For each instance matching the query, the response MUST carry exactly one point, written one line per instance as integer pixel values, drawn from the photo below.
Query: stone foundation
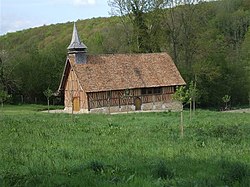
(69, 110)
(157, 106)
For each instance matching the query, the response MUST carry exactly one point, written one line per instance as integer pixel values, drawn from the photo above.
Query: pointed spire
(76, 44)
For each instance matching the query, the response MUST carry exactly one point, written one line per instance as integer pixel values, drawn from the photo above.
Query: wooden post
(127, 104)
(109, 104)
(88, 95)
(127, 92)
(119, 101)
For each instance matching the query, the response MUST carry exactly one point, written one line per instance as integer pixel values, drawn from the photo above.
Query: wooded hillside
(208, 41)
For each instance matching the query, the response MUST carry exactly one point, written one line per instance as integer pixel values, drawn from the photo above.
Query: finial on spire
(76, 44)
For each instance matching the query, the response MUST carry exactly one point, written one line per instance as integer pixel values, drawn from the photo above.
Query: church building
(112, 83)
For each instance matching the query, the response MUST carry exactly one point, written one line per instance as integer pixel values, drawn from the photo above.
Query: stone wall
(157, 106)
(69, 110)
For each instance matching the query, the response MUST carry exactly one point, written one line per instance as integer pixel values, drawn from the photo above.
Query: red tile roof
(126, 71)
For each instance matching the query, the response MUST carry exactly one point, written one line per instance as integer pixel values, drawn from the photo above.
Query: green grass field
(140, 149)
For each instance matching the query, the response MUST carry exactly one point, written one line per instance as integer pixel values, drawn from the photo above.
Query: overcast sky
(22, 14)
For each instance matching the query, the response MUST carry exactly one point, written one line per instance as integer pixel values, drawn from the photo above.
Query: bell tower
(77, 48)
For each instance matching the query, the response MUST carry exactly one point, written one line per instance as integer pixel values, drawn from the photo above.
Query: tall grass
(140, 149)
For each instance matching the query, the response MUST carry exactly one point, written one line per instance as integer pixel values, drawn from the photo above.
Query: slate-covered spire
(76, 45)
(77, 48)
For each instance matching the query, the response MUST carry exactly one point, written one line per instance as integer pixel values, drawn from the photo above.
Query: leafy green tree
(208, 79)
(182, 96)
(4, 96)
(193, 95)
(244, 71)
(226, 99)
(233, 20)
(48, 94)
(7, 75)
(137, 12)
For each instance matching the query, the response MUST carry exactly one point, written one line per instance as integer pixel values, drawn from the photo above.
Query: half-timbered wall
(74, 90)
(121, 98)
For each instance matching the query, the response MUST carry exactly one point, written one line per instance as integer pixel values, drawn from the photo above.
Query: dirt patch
(245, 110)
(55, 111)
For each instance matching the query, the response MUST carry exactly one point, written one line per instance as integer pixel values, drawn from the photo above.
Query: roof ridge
(128, 54)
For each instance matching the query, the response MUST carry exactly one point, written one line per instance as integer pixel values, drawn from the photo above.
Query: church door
(137, 103)
(76, 104)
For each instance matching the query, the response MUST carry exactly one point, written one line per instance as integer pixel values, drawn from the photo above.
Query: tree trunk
(127, 105)
(181, 127)
(173, 36)
(190, 110)
(22, 100)
(48, 105)
(1, 107)
(195, 80)
(194, 105)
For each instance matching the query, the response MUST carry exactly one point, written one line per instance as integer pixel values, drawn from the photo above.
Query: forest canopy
(209, 42)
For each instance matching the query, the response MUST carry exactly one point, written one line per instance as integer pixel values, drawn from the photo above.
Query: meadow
(139, 149)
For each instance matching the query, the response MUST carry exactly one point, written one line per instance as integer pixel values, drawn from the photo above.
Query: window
(150, 91)
(144, 91)
(157, 90)
(108, 94)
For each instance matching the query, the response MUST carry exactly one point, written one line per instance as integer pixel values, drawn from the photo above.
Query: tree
(181, 95)
(193, 95)
(245, 70)
(209, 81)
(226, 99)
(5, 83)
(249, 99)
(7, 76)
(4, 96)
(137, 12)
(48, 94)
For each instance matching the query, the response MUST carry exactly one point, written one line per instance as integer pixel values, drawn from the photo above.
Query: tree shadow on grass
(137, 170)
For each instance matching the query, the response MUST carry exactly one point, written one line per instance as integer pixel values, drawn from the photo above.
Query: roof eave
(64, 76)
